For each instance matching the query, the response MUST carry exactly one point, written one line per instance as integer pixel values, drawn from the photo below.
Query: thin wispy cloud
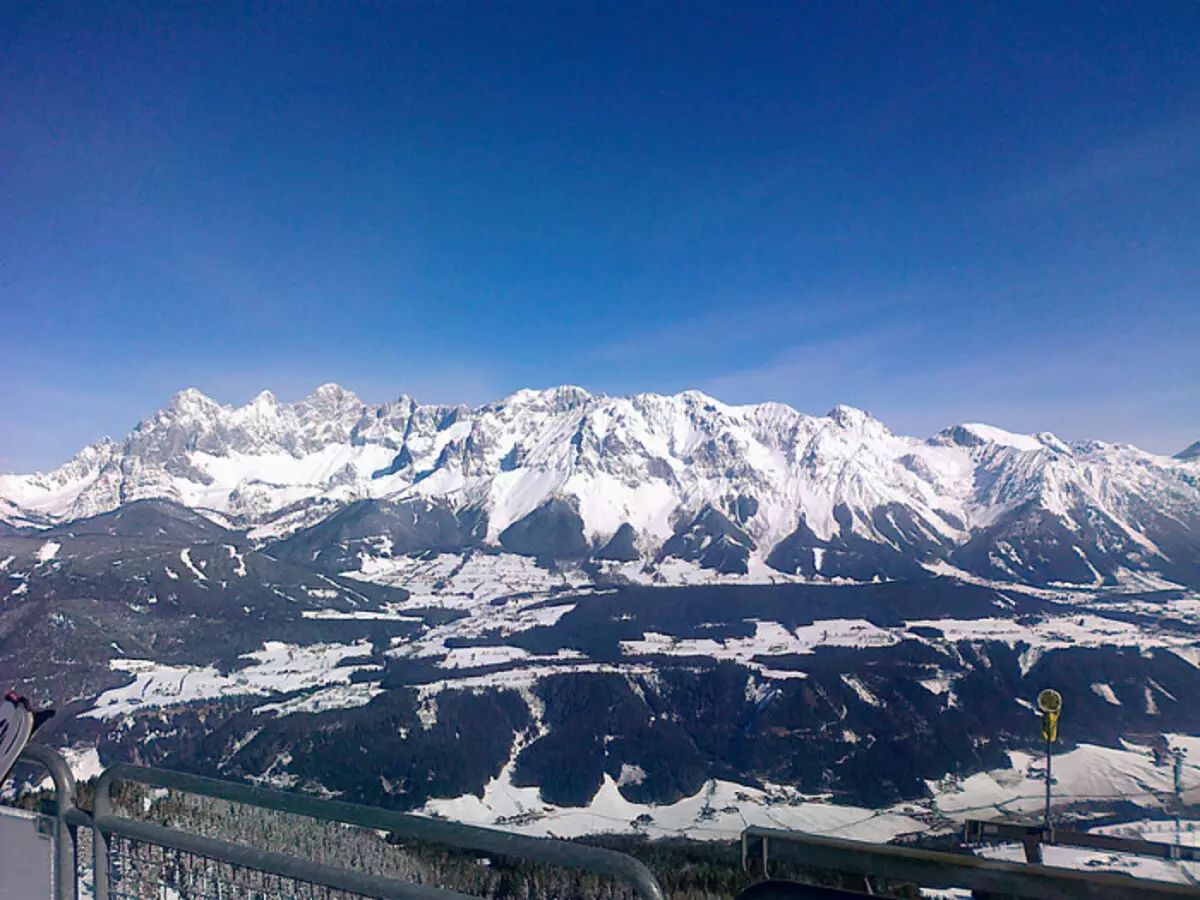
(1164, 151)
(738, 324)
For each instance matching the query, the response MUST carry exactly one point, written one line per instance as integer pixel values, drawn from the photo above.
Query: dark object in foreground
(18, 722)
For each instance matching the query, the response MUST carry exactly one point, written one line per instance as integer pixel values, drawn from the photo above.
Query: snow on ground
(1106, 693)
(1056, 632)
(1089, 772)
(467, 580)
(84, 762)
(769, 639)
(185, 557)
(277, 668)
(673, 572)
(773, 639)
(338, 696)
(360, 615)
(48, 551)
(523, 678)
(240, 569)
(1168, 870)
(475, 657)
(719, 811)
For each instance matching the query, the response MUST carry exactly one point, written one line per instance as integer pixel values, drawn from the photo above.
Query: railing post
(101, 809)
(66, 860)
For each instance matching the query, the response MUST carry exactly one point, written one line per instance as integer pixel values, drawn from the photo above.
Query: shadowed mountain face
(370, 527)
(562, 474)
(154, 581)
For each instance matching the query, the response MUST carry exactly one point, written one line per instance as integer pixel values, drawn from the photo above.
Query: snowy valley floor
(503, 596)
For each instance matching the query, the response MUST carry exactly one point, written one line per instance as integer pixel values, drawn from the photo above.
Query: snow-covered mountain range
(630, 482)
(565, 608)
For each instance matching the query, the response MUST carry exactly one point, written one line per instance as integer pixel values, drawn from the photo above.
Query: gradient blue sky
(937, 212)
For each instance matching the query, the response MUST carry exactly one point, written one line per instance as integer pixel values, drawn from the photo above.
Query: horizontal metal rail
(934, 869)
(467, 837)
(268, 861)
(976, 830)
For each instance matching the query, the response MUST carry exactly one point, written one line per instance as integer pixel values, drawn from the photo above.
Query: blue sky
(937, 212)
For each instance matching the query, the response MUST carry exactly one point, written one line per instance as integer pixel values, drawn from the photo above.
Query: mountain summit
(641, 481)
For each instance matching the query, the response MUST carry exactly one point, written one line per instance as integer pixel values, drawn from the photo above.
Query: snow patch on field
(466, 581)
(1106, 693)
(48, 551)
(769, 639)
(358, 615)
(185, 557)
(338, 696)
(234, 554)
(861, 690)
(475, 657)
(277, 668)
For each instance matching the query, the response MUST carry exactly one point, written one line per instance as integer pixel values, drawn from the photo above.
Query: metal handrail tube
(269, 862)
(1005, 831)
(470, 837)
(67, 815)
(935, 869)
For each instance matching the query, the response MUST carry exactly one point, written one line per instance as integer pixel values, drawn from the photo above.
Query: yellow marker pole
(1050, 703)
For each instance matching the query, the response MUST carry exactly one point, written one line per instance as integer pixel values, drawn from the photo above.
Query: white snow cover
(48, 551)
(277, 668)
(643, 460)
(1088, 772)
(769, 639)
(722, 809)
(718, 812)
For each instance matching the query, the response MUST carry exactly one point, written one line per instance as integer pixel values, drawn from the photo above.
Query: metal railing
(1033, 837)
(139, 859)
(67, 816)
(193, 863)
(936, 869)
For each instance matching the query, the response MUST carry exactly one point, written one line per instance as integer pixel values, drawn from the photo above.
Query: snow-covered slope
(563, 473)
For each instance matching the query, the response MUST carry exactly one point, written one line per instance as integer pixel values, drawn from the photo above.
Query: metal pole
(101, 808)
(1046, 820)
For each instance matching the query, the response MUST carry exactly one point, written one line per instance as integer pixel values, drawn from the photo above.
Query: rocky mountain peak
(852, 418)
(191, 401)
(556, 399)
(1192, 452)
(845, 496)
